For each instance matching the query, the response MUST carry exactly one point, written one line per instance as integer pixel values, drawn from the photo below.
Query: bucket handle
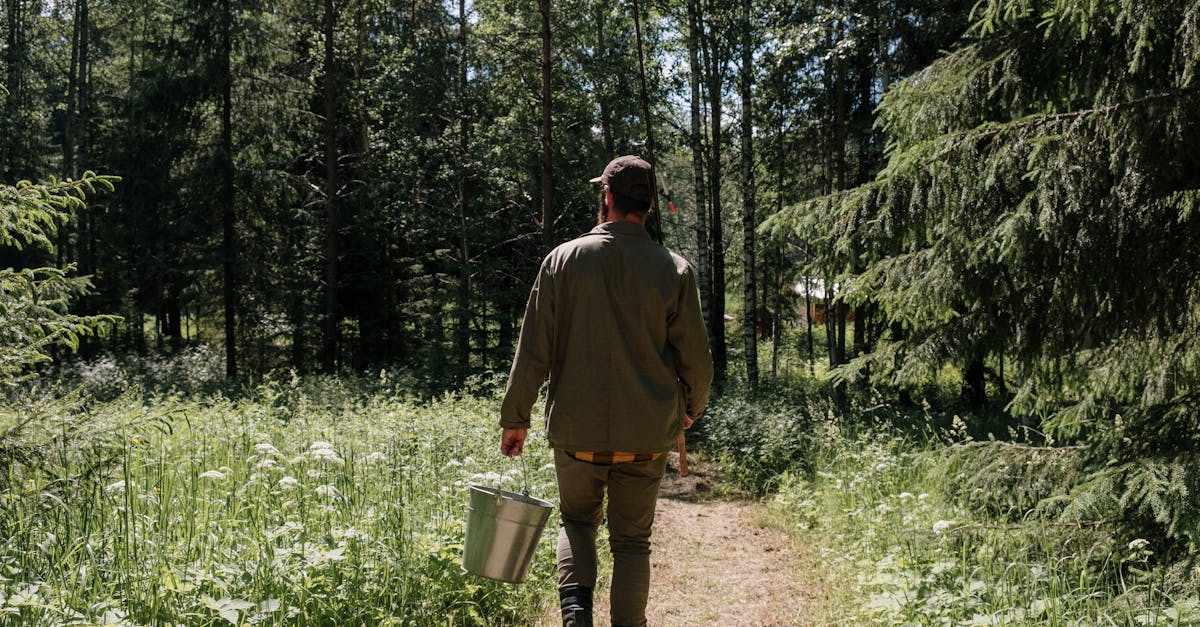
(524, 476)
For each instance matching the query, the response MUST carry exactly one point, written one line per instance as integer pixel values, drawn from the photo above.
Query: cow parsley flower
(267, 449)
(941, 526)
(215, 475)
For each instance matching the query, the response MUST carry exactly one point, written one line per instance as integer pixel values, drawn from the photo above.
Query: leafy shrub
(757, 440)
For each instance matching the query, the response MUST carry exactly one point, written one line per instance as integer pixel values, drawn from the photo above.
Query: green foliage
(1013, 482)
(311, 501)
(757, 440)
(919, 525)
(1036, 208)
(34, 302)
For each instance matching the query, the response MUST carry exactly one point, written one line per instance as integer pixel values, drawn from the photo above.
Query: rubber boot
(576, 603)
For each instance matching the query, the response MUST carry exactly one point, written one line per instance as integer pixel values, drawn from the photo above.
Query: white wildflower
(922, 496)
(312, 473)
(327, 455)
(215, 475)
(909, 519)
(883, 508)
(115, 488)
(320, 444)
(1139, 544)
(328, 491)
(905, 495)
(376, 457)
(941, 526)
(267, 449)
(288, 483)
(267, 463)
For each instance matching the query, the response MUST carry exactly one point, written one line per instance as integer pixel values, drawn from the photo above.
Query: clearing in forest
(714, 562)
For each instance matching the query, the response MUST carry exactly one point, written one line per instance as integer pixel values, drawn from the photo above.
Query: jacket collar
(621, 228)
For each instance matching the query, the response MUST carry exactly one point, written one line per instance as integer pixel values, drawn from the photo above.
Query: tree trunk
(808, 311)
(331, 340)
(974, 385)
(547, 178)
(749, 289)
(68, 165)
(84, 246)
(704, 263)
(13, 71)
(172, 316)
(463, 322)
(839, 170)
(228, 218)
(777, 307)
(714, 62)
(606, 131)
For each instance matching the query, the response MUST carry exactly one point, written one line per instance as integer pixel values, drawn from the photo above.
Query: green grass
(305, 503)
(894, 540)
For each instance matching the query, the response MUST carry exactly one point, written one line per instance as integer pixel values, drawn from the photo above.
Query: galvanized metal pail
(503, 529)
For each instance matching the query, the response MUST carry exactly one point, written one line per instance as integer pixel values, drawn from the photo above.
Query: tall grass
(304, 503)
(900, 534)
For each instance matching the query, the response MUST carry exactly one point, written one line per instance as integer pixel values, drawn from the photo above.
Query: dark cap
(629, 176)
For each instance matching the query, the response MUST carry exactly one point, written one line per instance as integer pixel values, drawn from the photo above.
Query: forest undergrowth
(916, 520)
(297, 502)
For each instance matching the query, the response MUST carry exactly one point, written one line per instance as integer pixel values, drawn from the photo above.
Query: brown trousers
(632, 494)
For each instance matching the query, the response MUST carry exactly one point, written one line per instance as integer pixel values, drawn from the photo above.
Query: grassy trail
(714, 561)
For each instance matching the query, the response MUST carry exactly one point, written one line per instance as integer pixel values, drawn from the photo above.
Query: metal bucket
(503, 529)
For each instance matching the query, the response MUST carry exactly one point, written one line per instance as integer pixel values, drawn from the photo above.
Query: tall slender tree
(549, 215)
(332, 341)
(749, 223)
(714, 52)
(227, 195)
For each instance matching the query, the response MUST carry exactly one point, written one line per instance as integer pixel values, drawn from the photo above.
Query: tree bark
(85, 247)
(839, 169)
(606, 131)
(974, 384)
(547, 175)
(749, 289)
(331, 339)
(714, 62)
(704, 263)
(228, 217)
(463, 327)
(68, 165)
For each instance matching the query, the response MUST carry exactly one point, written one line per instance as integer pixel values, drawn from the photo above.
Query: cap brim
(598, 179)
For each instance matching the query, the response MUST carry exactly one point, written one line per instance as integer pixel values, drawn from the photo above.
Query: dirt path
(713, 562)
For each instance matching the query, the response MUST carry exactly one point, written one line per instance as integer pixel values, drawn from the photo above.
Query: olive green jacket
(614, 320)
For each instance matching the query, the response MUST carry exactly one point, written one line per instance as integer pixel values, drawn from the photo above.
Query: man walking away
(614, 320)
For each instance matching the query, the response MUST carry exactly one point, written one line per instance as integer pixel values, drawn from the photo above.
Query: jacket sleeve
(534, 352)
(689, 341)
